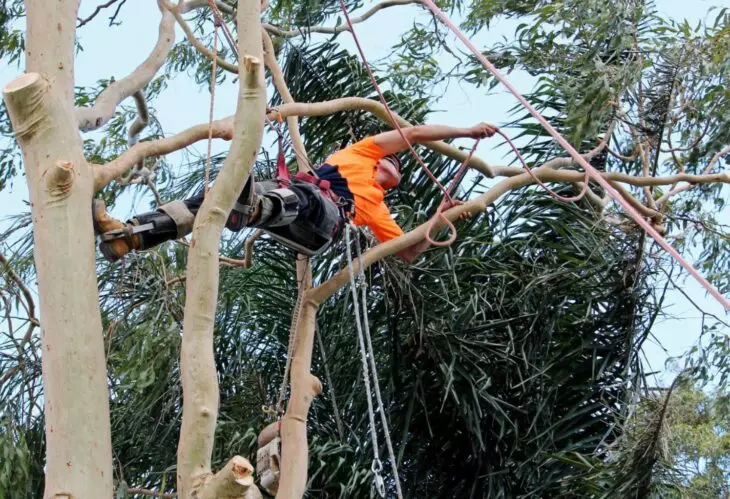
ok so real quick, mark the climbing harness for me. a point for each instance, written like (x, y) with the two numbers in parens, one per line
(366, 349)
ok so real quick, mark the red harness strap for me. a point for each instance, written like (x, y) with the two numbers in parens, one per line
(282, 172)
(283, 177)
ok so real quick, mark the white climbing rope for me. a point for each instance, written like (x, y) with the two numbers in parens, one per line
(366, 349)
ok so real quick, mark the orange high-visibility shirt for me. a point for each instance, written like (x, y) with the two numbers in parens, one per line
(351, 172)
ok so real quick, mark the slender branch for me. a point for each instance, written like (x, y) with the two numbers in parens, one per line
(621, 157)
(278, 76)
(223, 129)
(248, 262)
(29, 304)
(340, 28)
(104, 174)
(98, 9)
(143, 119)
(107, 102)
(199, 46)
(676, 190)
(379, 111)
(325, 290)
(192, 5)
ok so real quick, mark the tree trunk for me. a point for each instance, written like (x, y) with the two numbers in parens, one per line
(199, 378)
(60, 182)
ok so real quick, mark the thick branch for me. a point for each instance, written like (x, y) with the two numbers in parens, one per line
(339, 28)
(40, 107)
(199, 46)
(378, 110)
(104, 174)
(234, 481)
(199, 379)
(106, 104)
(280, 84)
(304, 388)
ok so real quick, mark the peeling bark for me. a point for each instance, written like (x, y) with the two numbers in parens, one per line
(40, 106)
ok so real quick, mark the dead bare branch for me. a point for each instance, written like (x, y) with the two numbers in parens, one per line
(96, 12)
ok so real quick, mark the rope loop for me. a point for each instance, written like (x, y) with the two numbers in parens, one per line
(452, 230)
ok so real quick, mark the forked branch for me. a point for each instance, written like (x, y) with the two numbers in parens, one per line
(107, 102)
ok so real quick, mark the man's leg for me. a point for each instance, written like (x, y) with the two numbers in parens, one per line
(272, 207)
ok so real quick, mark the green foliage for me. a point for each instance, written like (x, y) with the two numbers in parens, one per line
(508, 362)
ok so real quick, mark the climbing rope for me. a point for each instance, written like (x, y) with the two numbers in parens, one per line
(293, 328)
(385, 104)
(448, 193)
(213, 78)
(590, 170)
(219, 21)
(366, 349)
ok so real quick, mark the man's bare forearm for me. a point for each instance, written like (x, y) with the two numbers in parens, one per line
(392, 142)
(428, 133)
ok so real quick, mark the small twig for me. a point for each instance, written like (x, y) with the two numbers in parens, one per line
(143, 118)
(96, 12)
(113, 17)
(29, 303)
(689, 299)
(248, 258)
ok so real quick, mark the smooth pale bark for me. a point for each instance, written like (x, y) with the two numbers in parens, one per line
(199, 379)
(60, 182)
(91, 118)
(304, 387)
(280, 83)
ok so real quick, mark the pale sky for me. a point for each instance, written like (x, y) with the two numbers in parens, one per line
(183, 105)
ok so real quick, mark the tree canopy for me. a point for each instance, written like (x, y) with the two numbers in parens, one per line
(510, 361)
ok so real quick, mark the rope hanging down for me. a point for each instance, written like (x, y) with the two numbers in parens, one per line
(366, 349)
(448, 193)
(590, 170)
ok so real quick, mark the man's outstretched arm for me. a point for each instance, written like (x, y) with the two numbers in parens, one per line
(392, 142)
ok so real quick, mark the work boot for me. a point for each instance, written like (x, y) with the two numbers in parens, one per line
(113, 249)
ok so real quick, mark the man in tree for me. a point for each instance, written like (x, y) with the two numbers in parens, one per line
(306, 215)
